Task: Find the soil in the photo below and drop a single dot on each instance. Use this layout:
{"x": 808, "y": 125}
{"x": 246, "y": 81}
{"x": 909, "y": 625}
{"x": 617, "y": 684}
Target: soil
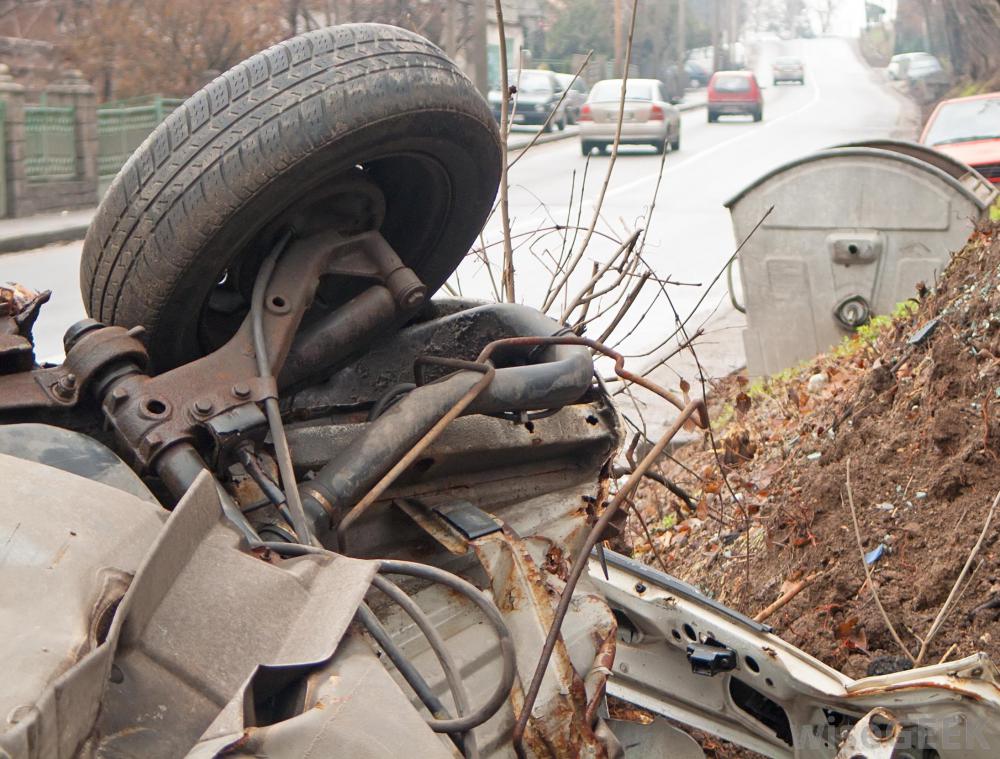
{"x": 917, "y": 422}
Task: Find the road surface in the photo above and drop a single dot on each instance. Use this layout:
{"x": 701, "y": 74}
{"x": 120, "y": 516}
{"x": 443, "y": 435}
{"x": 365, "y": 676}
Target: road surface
{"x": 689, "y": 236}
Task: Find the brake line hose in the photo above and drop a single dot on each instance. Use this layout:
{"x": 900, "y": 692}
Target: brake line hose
{"x": 284, "y": 457}
{"x": 465, "y": 588}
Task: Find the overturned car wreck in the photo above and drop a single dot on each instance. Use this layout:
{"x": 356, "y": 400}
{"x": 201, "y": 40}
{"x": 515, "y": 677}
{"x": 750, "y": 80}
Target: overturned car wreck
{"x": 278, "y": 502}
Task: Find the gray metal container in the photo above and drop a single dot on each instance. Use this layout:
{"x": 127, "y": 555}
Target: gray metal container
{"x": 853, "y": 230}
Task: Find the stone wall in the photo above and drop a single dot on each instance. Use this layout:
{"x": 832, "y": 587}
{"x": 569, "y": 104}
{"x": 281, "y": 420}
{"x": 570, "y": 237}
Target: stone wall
{"x": 24, "y": 197}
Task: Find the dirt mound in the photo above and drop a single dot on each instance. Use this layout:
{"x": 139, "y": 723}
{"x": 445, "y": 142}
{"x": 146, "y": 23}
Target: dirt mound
{"x": 912, "y": 406}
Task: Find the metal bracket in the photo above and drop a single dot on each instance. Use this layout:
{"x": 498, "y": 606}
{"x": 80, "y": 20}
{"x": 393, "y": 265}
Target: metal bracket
{"x": 709, "y": 660}
{"x": 873, "y": 737}
{"x": 150, "y": 414}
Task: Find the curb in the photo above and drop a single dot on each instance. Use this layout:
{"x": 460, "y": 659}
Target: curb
{"x": 522, "y": 143}
{"x": 32, "y": 240}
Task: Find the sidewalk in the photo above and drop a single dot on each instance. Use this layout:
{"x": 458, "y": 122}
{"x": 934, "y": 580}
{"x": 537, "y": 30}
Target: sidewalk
{"x": 45, "y": 229}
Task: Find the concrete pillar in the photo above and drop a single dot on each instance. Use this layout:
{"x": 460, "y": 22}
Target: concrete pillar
{"x": 14, "y": 174}
{"x": 72, "y": 90}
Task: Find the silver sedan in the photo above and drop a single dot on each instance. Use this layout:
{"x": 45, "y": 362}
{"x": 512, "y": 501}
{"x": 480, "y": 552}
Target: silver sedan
{"x": 648, "y": 118}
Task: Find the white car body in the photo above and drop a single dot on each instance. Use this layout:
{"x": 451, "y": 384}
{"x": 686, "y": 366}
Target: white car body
{"x": 648, "y": 118}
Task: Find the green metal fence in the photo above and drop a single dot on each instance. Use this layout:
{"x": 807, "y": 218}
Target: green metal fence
{"x": 50, "y": 149}
{"x": 123, "y": 125}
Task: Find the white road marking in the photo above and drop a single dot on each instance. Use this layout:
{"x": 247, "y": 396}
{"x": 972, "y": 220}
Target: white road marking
{"x": 629, "y": 186}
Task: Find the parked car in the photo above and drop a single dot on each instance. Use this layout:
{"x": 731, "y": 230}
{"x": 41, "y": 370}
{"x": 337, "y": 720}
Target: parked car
{"x": 968, "y": 129}
{"x": 734, "y": 92}
{"x": 916, "y": 67}
{"x": 648, "y": 117}
{"x": 788, "y": 69}
{"x": 538, "y": 93}
{"x": 897, "y": 66}
{"x": 925, "y": 67}
{"x": 576, "y": 95}
{"x": 698, "y": 73}
{"x": 673, "y": 82}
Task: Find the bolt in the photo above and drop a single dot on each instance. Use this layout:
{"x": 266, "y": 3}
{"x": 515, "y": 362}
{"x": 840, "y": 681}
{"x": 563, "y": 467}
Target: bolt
{"x": 623, "y": 667}
{"x": 640, "y": 588}
{"x": 203, "y": 406}
{"x": 65, "y": 387}
{"x": 241, "y": 390}
{"x": 118, "y": 396}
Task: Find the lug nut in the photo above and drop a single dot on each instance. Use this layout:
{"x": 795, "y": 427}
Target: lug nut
{"x": 203, "y": 406}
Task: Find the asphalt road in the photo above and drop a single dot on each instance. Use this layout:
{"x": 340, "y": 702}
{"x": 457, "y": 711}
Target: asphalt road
{"x": 689, "y": 235}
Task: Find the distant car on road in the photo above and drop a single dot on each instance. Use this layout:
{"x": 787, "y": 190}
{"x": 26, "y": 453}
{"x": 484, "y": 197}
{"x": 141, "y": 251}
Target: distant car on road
{"x": 698, "y": 73}
{"x": 734, "y": 92}
{"x": 648, "y": 117}
{"x": 576, "y": 95}
{"x": 538, "y": 95}
{"x": 968, "y": 129}
{"x": 673, "y": 83}
{"x": 788, "y": 69}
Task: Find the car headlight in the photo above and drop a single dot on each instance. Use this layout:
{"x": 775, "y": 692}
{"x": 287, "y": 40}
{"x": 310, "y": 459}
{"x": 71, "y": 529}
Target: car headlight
{"x": 539, "y": 107}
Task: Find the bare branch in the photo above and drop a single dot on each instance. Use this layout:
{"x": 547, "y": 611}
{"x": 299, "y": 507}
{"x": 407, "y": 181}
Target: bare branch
{"x": 507, "y": 274}
{"x": 868, "y": 571}
{"x": 949, "y": 602}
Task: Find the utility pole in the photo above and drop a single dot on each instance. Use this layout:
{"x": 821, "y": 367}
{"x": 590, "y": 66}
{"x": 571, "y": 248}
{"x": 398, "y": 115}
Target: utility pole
{"x": 619, "y": 69}
{"x": 450, "y": 35}
{"x": 681, "y": 37}
{"x": 477, "y": 48}
{"x": 716, "y": 35}
{"x": 734, "y": 22}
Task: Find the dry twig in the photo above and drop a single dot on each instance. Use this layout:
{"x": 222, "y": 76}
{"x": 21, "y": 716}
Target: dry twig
{"x": 507, "y": 274}
{"x": 868, "y": 572}
{"x": 949, "y": 602}
{"x": 787, "y": 596}
{"x": 550, "y": 299}
{"x": 552, "y": 113}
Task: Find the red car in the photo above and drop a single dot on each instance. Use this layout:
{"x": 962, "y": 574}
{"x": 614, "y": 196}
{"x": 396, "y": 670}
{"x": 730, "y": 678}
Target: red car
{"x": 734, "y": 92}
{"x": 968, "y": 129}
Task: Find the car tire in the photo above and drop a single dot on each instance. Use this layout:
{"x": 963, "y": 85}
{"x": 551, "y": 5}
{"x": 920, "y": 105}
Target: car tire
{"x": 675, "y": 144}
{"x": 255, "y": 153}
{"x": 586, "y": 148}
{"x": 758, "y": 114}
{"x": 712, "y": 117}
{"x": 548, "y": 126}
{"x": 660, "y": 147}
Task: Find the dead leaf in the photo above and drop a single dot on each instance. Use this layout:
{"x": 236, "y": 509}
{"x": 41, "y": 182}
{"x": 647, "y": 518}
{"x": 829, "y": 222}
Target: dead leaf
{"x": 743, "y": 404}
{"x": 702, "y": 511}
{"x": 851, "y": 636}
